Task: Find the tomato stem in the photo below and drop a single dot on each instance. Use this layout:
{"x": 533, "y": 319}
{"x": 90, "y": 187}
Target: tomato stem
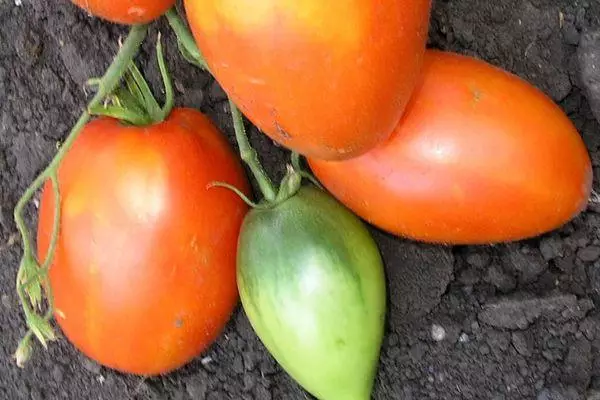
{"x": 168, "y": 83}
{"x": 238, "y": 192}
{"x": 249, "y": 155}
{"x": 31, "y": 276}
{"x": 134, "y": 102}
{"x": 185, "y": 39}
{"x": 298, "y": 167}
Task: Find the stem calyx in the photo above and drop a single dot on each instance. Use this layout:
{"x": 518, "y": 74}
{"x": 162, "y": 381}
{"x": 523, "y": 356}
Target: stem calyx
{"x": 133, "y": 102}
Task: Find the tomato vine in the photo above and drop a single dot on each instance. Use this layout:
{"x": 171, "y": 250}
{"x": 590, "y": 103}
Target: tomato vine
{"x": 32, "y": 277}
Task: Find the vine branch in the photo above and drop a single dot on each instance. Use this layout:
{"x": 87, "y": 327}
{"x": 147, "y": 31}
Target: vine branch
{"x": 31, "y": 276}
{"x": 249, "y": 155}
{"x": 187, "y": 44}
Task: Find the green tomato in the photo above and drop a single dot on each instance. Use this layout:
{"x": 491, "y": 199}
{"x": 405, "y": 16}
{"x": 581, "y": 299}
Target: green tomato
{"x": 312, "y": 284}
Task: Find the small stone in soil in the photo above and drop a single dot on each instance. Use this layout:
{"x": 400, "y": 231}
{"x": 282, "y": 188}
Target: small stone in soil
{"x": 438, "y": 333}
{"x": 463, "y": 338}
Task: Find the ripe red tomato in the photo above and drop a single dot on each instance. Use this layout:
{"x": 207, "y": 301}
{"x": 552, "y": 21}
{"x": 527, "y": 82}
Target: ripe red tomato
{"x": 479, "y": 157}
{"x": 144, "y": 277}
{"x": 329, "y": 79}
{"x": 127, "y": 12}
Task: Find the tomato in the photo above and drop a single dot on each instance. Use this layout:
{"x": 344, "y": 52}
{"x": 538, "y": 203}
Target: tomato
{"x": 328, "y": 79}
{"x": 480, "y": 156}
{"x": 144, "y": 275}
{"x": 311, "y": 281}
{"x": 127, "y": 12}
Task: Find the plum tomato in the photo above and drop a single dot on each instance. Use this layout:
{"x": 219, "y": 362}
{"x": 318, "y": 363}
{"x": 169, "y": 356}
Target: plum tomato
{"x": 480, "y": 156}
{"x": 144, "y": 275}
{"x": 328, "y": 79}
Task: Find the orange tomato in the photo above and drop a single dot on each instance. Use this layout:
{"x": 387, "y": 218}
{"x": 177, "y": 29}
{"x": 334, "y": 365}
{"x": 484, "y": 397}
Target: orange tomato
{"x": 127, "y": 12}
{"x": 328, "y": 79}
{"x": 144, "y": 275}
{"x": 480, "y": 156}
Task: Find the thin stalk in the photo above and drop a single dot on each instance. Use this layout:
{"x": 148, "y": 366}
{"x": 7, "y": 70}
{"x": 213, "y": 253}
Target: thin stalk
{"x": 29, "y": 265}
{"x": 237, "y": 191}
{"x": 186, "y": 39}
{"x": 167, "y": 81}
{"x": 249, "y": 156}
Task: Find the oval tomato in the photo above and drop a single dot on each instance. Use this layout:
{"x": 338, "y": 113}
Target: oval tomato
{"x": 126, "y": 12}
{"x": 480, "y": 156}
{"x": 329, "y": 79}
{"x": 312, "y": 283}
{"x": 144, "y": 275}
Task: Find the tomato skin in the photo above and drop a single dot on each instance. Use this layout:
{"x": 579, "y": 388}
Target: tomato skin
{"x": 144, "y": 272}
{"x": 480, "y": 156}
{"x": 328, "y": 79}
{"x": 128, "y": 12}
{"x": 312, "y": 283}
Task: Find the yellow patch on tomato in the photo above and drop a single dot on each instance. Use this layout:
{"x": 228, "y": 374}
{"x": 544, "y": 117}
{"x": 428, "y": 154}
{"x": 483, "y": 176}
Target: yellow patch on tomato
{"x": 341, "y": 22}
{"x": 77, "y": 200}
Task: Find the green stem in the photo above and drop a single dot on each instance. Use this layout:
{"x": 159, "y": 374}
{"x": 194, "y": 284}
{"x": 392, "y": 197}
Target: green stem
{"x": 56, "y": 222}
{"x": 298, "y": 167}
{"x": 296, "y": 161}
{"x": 168, "y": 83}
{"x": 249, "y": 156}
{"x": 106, "y": 86}
{"x": 186, "y": 39}
{"x": 237, "y": 191}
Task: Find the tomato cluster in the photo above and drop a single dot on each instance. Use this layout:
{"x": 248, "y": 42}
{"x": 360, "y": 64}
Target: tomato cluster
{"x": 147, "y": 233}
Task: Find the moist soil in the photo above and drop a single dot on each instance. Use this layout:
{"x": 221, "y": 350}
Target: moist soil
{"x": 511, "y": 321}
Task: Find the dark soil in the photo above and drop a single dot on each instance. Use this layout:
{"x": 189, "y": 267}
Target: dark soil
{"x": 518, "y": 321}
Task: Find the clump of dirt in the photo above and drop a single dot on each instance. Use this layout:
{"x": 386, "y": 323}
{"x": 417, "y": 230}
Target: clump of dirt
{"x": 516, "y": 321}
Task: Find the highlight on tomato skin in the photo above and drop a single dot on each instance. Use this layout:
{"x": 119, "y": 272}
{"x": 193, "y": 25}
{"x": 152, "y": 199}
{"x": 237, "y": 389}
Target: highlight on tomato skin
{"x": 327, "y": 79}
{"x": 480, "y": 156}
{"x": 144, "y": 274}
{"x": 126, "y": 12}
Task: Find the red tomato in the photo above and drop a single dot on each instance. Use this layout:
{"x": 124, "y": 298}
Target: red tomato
{"x": 126, "y": 11}
{"x": 479, "y": 157}
{"x": 144, "y": 277}
{"x": 329, "y": 79}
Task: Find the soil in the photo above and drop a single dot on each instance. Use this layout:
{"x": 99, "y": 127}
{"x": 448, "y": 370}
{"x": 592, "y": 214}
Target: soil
{"x": 513, "y": 321}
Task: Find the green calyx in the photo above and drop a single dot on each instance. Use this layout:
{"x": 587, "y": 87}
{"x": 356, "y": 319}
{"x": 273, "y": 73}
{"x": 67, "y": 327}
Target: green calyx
{"x": 290, "y": 184}
{"x": 133, "y": 102}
